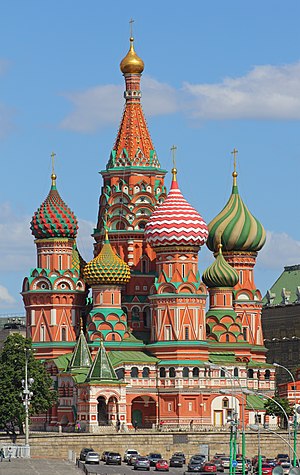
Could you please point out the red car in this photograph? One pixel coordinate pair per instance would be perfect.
(162, 465)
(209, 467)
(267, 469)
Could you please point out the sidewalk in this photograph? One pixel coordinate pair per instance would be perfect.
(38, 467)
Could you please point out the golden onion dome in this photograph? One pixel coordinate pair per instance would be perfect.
(132, 64)
(106, 268)
(220, 273)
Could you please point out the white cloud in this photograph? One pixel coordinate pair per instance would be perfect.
(100, 106)
(280, 250)
(5, 298)
(266, 92)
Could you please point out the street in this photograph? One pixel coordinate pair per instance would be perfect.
(19, 466)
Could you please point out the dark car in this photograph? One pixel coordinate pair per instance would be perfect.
(219, 464)
(195, 464)
(153, 458)
(113, 458)
(84, 452)
(142, 463)
(176, 461)
(104, 455)
(180, 454)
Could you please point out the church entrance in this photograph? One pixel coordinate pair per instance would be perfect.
(102, 411)
(143, 411)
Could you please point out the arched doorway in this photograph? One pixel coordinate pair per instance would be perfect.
(102, 411)
(143, 410)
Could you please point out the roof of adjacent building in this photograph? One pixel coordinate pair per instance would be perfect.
(286, 289)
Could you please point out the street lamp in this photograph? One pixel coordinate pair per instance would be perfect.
(26, 397)
(277, 365)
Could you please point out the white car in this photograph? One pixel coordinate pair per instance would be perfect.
(286, 466)
(128, 454)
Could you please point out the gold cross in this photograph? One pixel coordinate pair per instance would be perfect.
(173, 150)
(234, 152)
(131, 21)
(52, 157)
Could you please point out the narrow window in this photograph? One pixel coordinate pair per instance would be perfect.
(63, 334)
(170, 270)
(186, 333)
(172, 372)
(60, 262)
(241, 276)
(245, 333)
(185, 372)
(183, 270)
(112, 299)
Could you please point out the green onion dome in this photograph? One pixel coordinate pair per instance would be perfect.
(106, 268)
(54, 219)
(238, 228)
(220, 273)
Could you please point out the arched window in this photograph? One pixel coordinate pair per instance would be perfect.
(207, 329)
(222, 373)
(146, 372)
(195, 372)
(227, 337)
(134, 373)
(63, 334)
(162, 372)
(225, 403)
(236, 372)
(250, 373)
(185, 372)
(258, 374)
(172, 372)
(120, 372)
(267, 374)
(135, 314)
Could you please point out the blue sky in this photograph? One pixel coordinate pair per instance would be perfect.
(218, 75)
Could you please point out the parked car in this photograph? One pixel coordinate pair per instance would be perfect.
(219, 465)
(180, 454)
(284, 457)
(176, 461)
(142, 463)
(153, 458)
(113, 458)
(162, 465)
(84, 451)
(239, 467)
(225, 461)
(209, 467)
(128, 453)
(104, 455)
(195, 465)
(132, 459)
(267, 469)
(92, 457)
(286, 466)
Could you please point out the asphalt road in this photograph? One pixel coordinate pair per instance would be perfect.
(38, 467)
(125, 469)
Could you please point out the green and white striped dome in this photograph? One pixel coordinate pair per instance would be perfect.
(220, 273)
(235, 227)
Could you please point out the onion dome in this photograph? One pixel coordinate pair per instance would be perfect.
(220, 273)
(132, 63)
(107, 267)
(175, 222)
(239, 229)
(54, 219)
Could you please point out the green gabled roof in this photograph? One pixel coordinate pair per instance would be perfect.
(254, 402)
(63, 361)
(129, 298)
(81, 357)
(102, 369)
(288, 280)
(139, 357)
(80, 375)
(222, 358)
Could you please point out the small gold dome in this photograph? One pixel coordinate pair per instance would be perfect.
(132, 63)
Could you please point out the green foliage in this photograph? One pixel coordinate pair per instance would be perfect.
(12, 370)
(273, 409)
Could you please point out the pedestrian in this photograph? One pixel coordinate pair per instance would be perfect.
(1, 454)
(118, 425)
(9, 454)
(135, 425)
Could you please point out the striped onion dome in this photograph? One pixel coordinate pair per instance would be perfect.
(107, 267)
(54, 219)
(175, 222)
(220, 273)
(237, 227)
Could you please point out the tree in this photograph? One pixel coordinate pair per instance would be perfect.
(12, 370)
(273, 409)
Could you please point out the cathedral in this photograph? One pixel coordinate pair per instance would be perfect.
(140, 334)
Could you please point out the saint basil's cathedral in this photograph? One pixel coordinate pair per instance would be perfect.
(127, 336)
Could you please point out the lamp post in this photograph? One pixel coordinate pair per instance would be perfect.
(277, 365)
(26, 397)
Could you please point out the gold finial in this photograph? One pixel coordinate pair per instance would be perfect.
(174, 169)
(220, 248)
(131, 21)
(234, 174)
(105, 219)
(53, 176)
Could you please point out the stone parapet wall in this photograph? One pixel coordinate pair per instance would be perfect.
(58, 445)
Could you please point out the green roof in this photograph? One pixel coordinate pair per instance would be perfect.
(222, 358)
(285, 289)
(254, 402)
(81, 357)
(102, 368)
(139, 357)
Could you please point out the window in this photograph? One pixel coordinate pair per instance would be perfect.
(63, 334)
(170, 270)
(136, 314)
(60, 262)
(225, 403)
(186, 333)
(224, 300)
(257, 418)
(134, 373)
(172, 372)
(183, 270)
(120, 372)
(185, 372)
(268, 374)
(112, 299)
(169, 407)
(236, 372)
(190, 406)
(241, 276)
(48, 262)
(168, 332)
(227, 337)
(222, 373)
(42, 333)
(195, 372)
(250, 373)
(162, 372)
(245, 333)
(146, 372)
